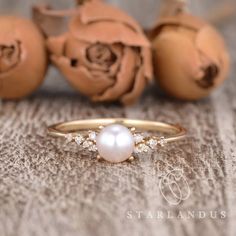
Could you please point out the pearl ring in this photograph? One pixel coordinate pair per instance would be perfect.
(117, 140)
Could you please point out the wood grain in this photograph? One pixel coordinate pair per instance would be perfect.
(48, 188)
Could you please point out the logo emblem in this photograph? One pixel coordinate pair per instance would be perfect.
(174, 187)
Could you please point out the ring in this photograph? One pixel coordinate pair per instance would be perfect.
(117, 140)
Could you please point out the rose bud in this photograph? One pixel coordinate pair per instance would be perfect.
(190, 58)
(23, 59)
(104, 54)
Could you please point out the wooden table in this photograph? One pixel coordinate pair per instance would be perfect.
(48, 188)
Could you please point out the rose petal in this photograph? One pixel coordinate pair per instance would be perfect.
(81, 78)
(183, 19)
(209, 41)
(212, 46)
(112, 32)
(76, 49)
(101, 55)
(117, 49)
(124, 78)
(138, 87)
(147, 62)
(95, 11)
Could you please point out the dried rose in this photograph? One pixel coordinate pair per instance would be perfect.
(190, 58)
(104, 54)
(23, 59)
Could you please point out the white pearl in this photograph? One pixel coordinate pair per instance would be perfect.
(115, 143)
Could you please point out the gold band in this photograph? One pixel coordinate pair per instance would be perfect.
(174, 132)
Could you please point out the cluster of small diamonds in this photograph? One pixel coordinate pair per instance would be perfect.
(147, 143)
(86, 141)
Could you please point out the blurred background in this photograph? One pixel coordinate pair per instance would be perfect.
(221, 13)
(144, 11)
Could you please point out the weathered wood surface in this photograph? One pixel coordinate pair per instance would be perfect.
(47, 188)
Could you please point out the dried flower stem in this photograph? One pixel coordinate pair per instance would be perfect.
(173, 7)
(48, 11)
(81, 2)
(222, 12)
(51, 21)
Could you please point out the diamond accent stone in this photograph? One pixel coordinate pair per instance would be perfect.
(87, 144)
(93, 148)
(162, 141)
(92, 135)
(69, 138)
(79, 139)
(141, 148)
(138, 138)
(152, 143)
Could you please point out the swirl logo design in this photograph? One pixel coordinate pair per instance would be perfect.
(174, 187)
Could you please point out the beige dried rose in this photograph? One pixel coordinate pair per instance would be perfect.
(104, 53)
(23, 57)
(190, 57)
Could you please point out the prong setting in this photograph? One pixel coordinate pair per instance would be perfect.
(133, 129)
(131, 158)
